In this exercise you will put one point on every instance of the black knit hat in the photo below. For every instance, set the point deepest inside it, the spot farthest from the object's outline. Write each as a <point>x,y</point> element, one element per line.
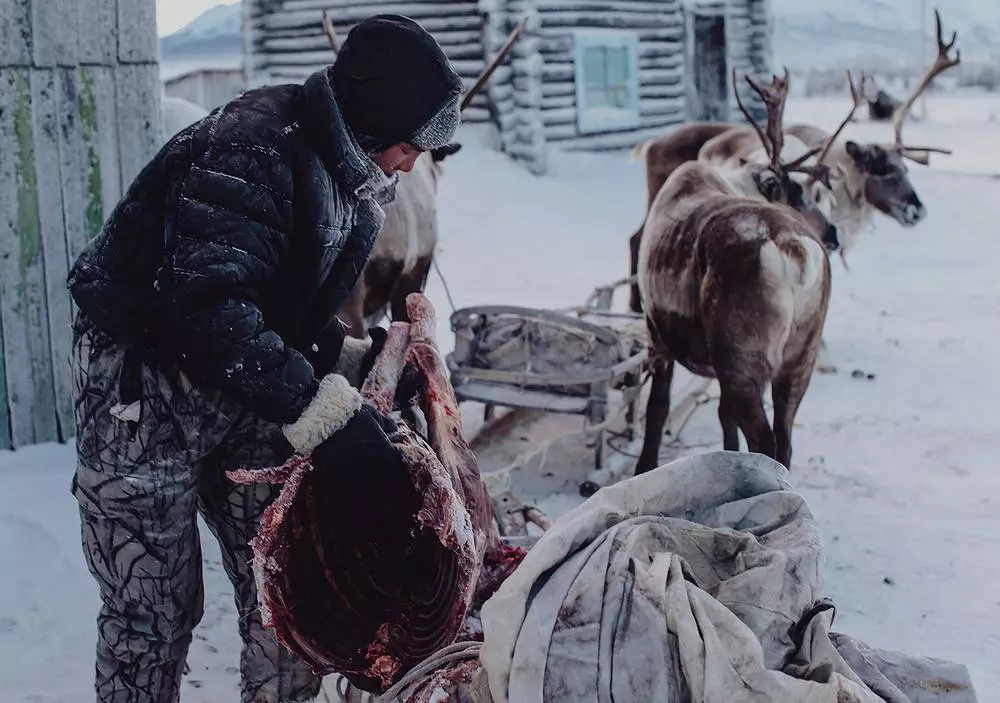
<point>394,83</point>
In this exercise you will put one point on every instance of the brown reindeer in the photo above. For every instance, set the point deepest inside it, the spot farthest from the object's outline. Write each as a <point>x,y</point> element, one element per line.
<point>872,177</point>
<point>734,286</point>
<point>403,254</point>
<point>866,178</point>
<point>727,146</point>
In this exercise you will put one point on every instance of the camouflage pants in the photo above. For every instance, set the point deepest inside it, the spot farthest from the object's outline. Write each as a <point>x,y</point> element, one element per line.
<point>140,482</point>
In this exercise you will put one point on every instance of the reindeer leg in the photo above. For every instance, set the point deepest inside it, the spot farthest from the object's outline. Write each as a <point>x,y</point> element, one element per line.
<point>634,297</point>
<point>657,411</point>
<point>730,427</point>
<point>742,404</point>
<point>787,390</point>
<point>412,281</point>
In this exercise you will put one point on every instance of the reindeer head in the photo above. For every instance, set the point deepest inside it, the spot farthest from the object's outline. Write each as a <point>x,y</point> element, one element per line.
<point>885,181</point>
<point>774,179</point>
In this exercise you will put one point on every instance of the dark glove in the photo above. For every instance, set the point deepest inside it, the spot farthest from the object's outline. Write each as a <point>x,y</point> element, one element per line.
<point>378,335</point>
<point>362,442</point>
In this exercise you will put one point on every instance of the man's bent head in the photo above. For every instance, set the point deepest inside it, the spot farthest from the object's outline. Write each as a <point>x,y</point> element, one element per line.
<point>397,90</point>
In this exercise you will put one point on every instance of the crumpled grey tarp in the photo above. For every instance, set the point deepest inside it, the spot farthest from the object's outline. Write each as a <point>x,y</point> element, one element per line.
<point>700,581</point>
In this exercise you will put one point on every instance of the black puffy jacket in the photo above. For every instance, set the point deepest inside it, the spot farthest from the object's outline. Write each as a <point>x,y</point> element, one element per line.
<point>233,249</point>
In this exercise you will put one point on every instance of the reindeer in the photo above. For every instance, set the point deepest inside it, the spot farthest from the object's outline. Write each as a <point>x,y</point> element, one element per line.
<point>735,285</point>
<point>867,177</point>
<point>403,254</point>
<point>726,146</point>
<point>874,177</point>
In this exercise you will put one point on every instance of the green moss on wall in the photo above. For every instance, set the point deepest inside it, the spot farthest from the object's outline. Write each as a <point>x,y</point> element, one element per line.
<point>28,226</point>
<point>94,214</point>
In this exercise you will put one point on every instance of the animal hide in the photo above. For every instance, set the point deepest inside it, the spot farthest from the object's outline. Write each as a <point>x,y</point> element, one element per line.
<point>367,568</point>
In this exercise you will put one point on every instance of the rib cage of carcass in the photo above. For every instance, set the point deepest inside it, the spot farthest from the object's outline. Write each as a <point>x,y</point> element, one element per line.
<point>366,570</point>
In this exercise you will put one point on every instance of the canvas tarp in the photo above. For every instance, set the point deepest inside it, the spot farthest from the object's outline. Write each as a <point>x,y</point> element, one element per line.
<point>700,581</point>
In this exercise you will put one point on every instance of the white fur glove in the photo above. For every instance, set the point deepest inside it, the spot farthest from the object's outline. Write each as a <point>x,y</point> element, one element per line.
<point>334,404</point>
<point>352,356</point>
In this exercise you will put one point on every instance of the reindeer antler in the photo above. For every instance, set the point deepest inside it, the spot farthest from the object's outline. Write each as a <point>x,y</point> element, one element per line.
<point>331,33</point>
<point>774,97</point>
<point>773,137</point>
<point>941,63</point>
<point>857,100</point>
<point>820,171</point>
<point>485,76</point>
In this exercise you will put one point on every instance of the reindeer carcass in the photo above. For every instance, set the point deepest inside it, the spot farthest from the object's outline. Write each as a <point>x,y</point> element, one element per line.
<point>735,285</point>
<point>368,570</point>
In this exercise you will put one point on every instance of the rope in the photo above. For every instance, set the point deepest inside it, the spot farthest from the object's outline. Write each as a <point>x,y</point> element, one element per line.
<point>447,292</point>
<point>454,654</point>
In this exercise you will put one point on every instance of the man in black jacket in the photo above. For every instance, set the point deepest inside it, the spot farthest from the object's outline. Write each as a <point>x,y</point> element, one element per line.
<point>207,339</point>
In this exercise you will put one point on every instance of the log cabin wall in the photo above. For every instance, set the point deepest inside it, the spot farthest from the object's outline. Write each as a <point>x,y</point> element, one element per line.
<point>745,27</point>
<point>613,70</point>
<point>284,40</point>
<point>584,74</point>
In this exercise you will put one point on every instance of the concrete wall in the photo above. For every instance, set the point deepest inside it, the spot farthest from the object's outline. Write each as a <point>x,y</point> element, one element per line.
<point>80,102</point>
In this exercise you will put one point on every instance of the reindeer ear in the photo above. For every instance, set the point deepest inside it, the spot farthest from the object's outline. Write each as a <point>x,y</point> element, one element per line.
<point>769,184</point>
<point>443,152</point>
<point>855,151</point>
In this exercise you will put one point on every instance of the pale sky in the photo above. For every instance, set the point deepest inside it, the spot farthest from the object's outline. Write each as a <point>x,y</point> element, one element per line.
<point>172,15</point>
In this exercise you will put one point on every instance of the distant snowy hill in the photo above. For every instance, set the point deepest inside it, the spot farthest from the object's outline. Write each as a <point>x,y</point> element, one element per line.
<point>825,33</point>
<point>216,32</point>
<point>808,33</point>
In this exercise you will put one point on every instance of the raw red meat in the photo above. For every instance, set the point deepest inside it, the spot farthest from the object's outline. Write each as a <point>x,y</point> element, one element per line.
<point>366,571</point>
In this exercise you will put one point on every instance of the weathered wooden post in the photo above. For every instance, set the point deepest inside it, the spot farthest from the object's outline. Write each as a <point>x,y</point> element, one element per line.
<point>80,102</point>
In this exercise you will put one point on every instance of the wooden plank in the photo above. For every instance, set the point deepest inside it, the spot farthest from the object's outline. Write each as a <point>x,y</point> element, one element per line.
<point>137,40</point>
<point>513,397</point>
<point>73,165</point>
<point>22,286</point>
<point>57,333</point>
<point>8,233</point>
<point>97,100</point>
<point>97,40</point>
<point>55,25</point>
<point>15,34</point>
<point>140,124</point>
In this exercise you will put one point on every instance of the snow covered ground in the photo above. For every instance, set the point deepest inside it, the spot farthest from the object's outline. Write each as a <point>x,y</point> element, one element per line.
<point>899,469</point>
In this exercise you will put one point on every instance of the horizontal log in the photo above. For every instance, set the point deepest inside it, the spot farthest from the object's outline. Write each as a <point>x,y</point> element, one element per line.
<point>665,33</point>
<point>566,137</point>
<point>626,20</point>
<point>665,76</point>
<point>562,46</point>
<point>546,7</point>
<point>317,41</point>
<point>470,60</point>
<point>558,101</point>
<point>432,24</point>
<point>662,90</point>
<point>553,89</point>
<point>649,110</point>
<point>290,65</point>
<point>351,14</point>
<point>378,6</point>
